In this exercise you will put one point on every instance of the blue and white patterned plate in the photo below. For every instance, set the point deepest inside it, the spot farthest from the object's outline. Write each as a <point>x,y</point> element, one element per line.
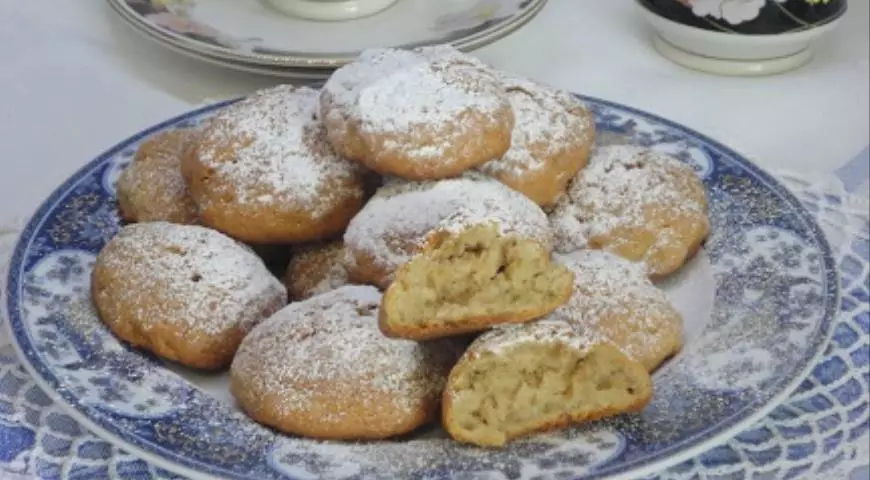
<point>759,303</point>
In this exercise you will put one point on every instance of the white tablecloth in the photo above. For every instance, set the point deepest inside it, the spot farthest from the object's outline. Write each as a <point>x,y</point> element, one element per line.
<point>75,80</point>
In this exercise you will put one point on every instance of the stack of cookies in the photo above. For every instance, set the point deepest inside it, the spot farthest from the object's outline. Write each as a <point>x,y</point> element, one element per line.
<point>454,251</point>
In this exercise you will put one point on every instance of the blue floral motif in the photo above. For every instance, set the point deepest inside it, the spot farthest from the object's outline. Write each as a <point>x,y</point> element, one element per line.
<point>637,129</point>
<point>776,296</point>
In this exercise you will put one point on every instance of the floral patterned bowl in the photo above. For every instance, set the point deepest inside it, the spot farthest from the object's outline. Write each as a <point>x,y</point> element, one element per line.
<point>740,37</point>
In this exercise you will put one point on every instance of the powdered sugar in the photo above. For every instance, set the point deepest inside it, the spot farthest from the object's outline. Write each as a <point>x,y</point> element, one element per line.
<point>318,269</point>
<point>502,339</point>
<point>547,122</point>
<point>344,85</point>
<point>618,188</point>
<point>407,212</point>
<point>152,187</point>
<point>416,98</point>
<point>335,276</point>
<point>424,96</point>
<point>332,341</point>
<point>614,297</point>
<point>271,149</point>
<point>189,276</point>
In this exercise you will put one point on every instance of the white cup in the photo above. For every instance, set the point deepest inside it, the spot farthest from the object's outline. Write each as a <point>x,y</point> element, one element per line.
<point>330,10</point>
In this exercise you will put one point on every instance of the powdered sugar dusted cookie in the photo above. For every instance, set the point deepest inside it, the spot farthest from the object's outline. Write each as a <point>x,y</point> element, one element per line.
<point>152,188</point>
<point>320,368</point>
<point>403,217</point>
<point>317,268</point>
<point>263,171</point>
<point>422,114</point>
<point>553,133</point>
<point>614,298</point>
<point>187,293</point>
<point>637,203</point>
<point>519,379</point>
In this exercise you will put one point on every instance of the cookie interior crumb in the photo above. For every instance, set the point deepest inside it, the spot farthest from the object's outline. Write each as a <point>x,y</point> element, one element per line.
<point>534,386</point>
<point>465,282</point>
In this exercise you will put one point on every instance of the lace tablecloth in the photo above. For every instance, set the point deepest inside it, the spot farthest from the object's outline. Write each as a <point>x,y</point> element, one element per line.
<point>821,432</point>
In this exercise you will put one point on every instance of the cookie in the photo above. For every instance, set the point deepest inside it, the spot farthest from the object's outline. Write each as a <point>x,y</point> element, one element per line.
<point>403,216</point>
<point>316,269</point>
<point>520,379</point>
<point>152,188</point>
<point>552,136</point>
<point>320,368</point>
<point>263,171</point>
<point>422,114</point>
<point>186,293</point>
<point>615,299</point>
<point>471,280</point>
<point>642,205</point>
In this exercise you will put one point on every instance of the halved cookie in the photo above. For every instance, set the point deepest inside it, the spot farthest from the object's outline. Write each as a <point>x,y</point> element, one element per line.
<point>401,219</point>
<point>519,379</point>
<point>471,280</point>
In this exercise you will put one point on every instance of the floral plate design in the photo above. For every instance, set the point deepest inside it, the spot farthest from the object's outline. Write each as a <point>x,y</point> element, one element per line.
<point>750,17</point>
<point>759,304</point>
<point>249,31</point>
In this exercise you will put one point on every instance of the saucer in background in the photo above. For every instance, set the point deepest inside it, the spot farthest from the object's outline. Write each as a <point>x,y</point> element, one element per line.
<point>249,34</point>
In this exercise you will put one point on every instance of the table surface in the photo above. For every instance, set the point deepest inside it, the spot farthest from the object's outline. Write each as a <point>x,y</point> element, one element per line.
<point>77,80</point>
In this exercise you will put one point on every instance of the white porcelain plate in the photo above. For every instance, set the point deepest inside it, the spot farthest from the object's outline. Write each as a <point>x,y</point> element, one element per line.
<point>251,31</point>
<point>758,304</point>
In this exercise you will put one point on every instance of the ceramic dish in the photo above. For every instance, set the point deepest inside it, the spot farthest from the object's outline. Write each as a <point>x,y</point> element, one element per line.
<point>330,10</point>
<point>758,303</point>
<point>296,75</point>
<point>725,37</point>
<point>250,31</point>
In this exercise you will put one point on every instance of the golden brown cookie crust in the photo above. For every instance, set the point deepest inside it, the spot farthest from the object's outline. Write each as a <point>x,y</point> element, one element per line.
<point>552,137</point>
<point>320,368</point>
<point>263,171</point>
<point>637,203</point>
<point>316,269</point>
<point>187,293</point>
<point>615,299</point>
<point>152,188</point>
<point>425,114</point>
